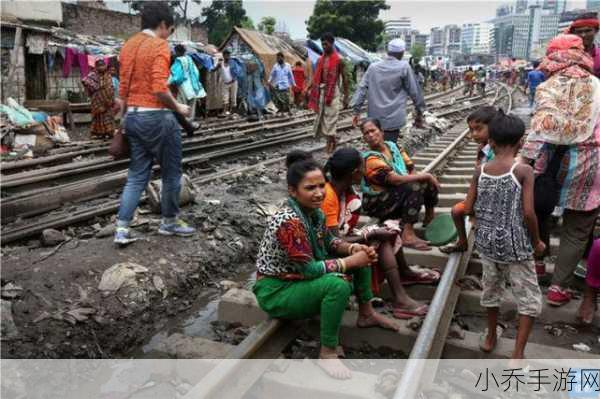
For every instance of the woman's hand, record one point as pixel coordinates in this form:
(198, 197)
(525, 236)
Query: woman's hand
(361, 258)
(431, 179)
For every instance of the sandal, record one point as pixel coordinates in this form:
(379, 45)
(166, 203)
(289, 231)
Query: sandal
(452, 248)
(405, 314)
(423, 276)
(417, 245)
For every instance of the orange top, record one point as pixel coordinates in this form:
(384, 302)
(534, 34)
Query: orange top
(150, 72)
(331, 207)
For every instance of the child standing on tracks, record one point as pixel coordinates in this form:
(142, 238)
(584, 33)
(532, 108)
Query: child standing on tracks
(501, 196)
(478, 128)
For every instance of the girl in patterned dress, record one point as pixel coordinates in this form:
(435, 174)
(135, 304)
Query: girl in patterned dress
(501, 196)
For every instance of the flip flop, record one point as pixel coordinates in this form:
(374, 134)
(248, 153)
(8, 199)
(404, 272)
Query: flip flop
(419, 246)
(406, 314)
(452, 248)
(423, 276)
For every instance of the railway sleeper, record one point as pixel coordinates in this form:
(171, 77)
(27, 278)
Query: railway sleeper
(244, 309)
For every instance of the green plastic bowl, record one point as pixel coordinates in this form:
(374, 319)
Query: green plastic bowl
(441, 230)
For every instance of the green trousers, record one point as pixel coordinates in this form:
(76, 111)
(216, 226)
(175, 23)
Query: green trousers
(326, 296)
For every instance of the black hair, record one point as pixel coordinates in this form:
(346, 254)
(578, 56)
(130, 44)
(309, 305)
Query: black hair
(226, 51)
(483, 115)
(328, 37)
(343, 162)
(506, 130)
(297, 155)
(298, 63)
(279, 53)
(587, 15)
(299, 163)
(535, 64)
(155, 12)
(374, 121)
(180, 50)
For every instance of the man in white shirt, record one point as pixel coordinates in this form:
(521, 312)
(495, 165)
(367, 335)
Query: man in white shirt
(230, 84)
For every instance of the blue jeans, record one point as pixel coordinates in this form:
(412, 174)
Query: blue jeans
(531, 96)
(152, 135)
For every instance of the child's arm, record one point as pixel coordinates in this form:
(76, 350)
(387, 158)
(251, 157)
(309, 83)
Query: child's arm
(472, 193)
(525, 175)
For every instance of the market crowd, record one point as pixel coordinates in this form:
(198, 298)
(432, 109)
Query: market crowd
(319, 249)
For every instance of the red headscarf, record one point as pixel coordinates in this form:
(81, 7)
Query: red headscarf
(580, 23)
(565, 55)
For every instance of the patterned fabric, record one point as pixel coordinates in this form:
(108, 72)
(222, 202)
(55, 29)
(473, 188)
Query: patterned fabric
(290, 247)
(101, 90)
(146, 59)
(327, 117)
(579, 173)
(400, 202)
(327, 75)
(500, 234)
(523, 283)
(378, 167)
(566, 109)
(281, 99)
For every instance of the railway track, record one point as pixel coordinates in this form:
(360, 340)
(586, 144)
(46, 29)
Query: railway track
(46, 199)
(217, 129)
(451, 157)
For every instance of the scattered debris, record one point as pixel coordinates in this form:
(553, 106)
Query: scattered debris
(106, 231)
(159, 285)
(11, 291)
(387, 381)
(581, 347)
(51, 237)
(226, 285)
(55, 250)
(456, 331)
(7, 325)
(554, 331)
(120, 275)
(470, 282)
(415, 323)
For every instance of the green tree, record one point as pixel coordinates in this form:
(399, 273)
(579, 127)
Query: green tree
(267, 25)
(354, 20)
(417, 51)
(221, 16)
(180, 7)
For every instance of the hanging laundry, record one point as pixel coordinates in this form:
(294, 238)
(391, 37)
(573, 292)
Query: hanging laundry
(75, 58)
(36, 44)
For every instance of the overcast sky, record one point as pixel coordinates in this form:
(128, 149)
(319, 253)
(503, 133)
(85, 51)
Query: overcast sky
(425, 14)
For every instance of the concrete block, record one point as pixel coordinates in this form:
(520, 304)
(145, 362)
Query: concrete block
(238, 305)
(185, 347)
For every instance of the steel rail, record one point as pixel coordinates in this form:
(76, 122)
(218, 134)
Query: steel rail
(212, 128)
(430, 341)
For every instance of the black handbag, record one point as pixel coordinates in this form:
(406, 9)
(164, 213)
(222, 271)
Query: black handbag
(546, 189)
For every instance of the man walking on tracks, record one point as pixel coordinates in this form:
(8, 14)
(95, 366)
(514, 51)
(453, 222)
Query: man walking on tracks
(388, 84)
(281, 82)
(325, 91)
(150, 125)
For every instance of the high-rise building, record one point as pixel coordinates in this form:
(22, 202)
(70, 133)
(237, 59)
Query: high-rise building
(593, 5)
(504, 9)
(415, 37)
(451, 40)
(436, 42)
(397, 27)
(477, 38)
(521, 6)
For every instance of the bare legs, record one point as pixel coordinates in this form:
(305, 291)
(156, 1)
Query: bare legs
(491, 339)
(588, 305)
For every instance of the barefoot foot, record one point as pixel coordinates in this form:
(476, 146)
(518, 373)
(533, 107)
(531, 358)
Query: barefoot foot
(334, 367)
(488, 343)
(376, 320)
